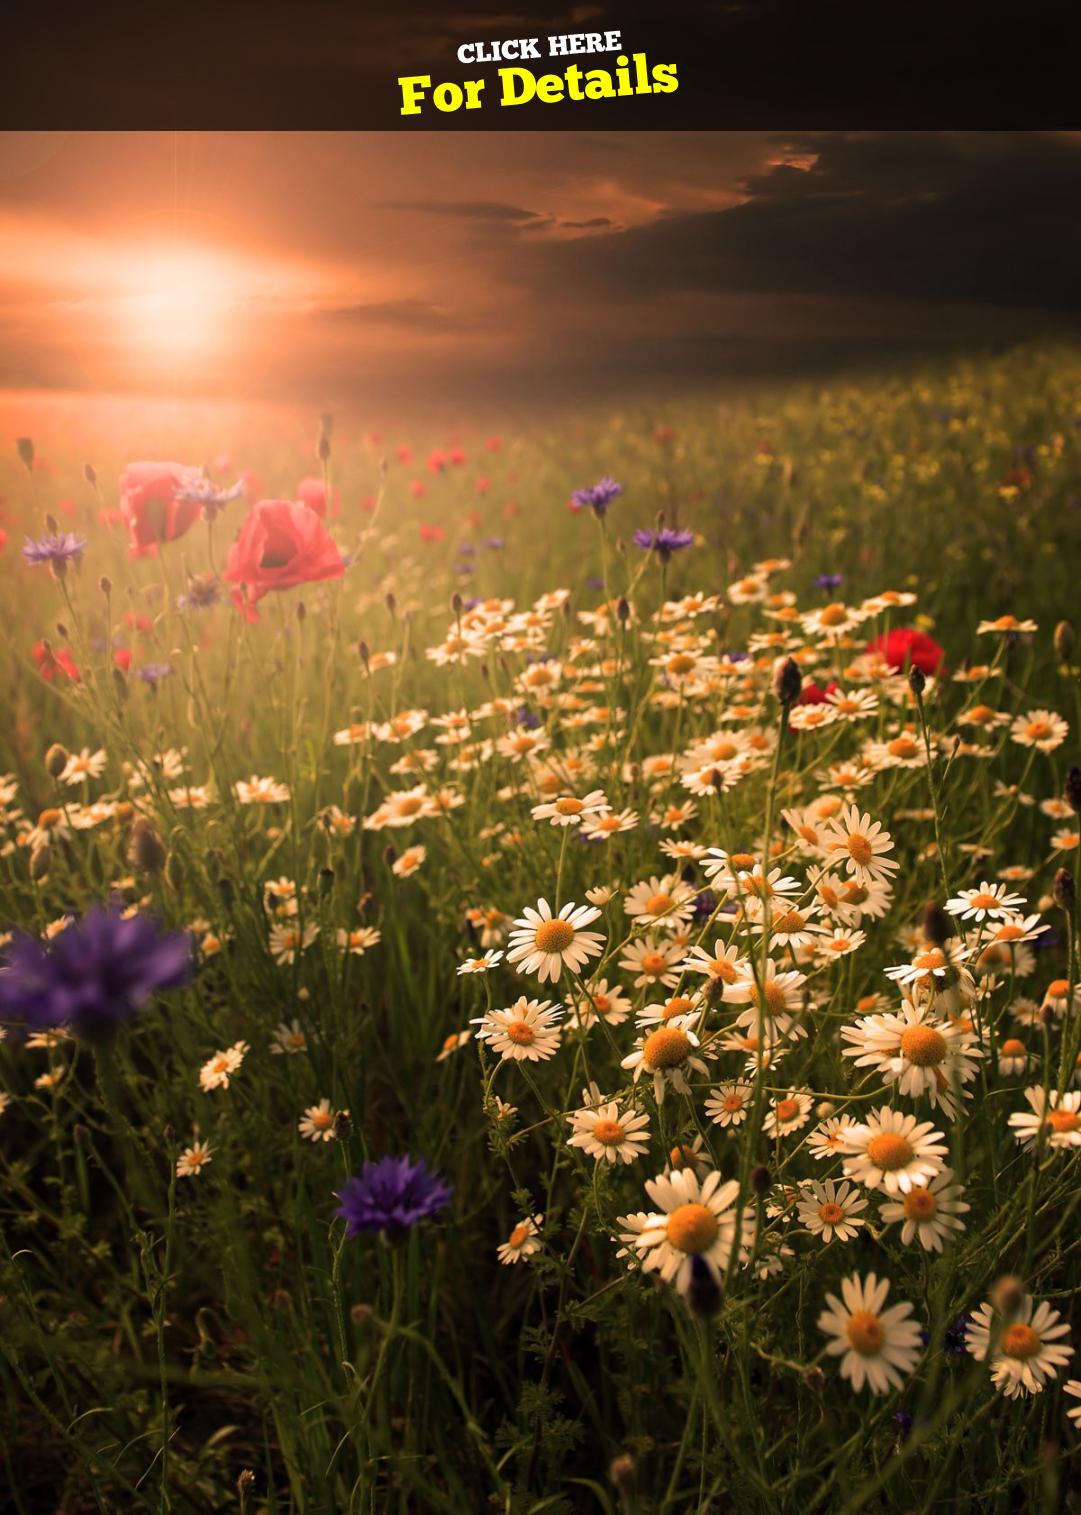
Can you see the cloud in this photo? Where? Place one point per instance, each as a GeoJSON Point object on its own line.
{"type": "Point", "coordinates": [416, 314]}
{"type": "Point", "coordinates": [467, 210]}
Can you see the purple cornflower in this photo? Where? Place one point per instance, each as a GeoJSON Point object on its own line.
{"type": "Point", "coordinates": [92, 975]}
{"type": "Point", "coordinates": [494, 544]}
{"type": "Point", "coordinates": [664, 542]}
{"type": "Point", "coordinates": [392, 1195]}
{"type": "Point", "coordinates": [830, 580]}
{"type": "Point", "coordinates": [205, 492]}
{"type": "Point", "coordinates": [153, 673]}
{"type": "Point", "coordinates": [526, 717]}
{"type": "Point", "coordinates": [598, 496]}
{"type": "Point", "coordinates": [202, 593]}
{"type": "Point", "coordinates": [58, 549]}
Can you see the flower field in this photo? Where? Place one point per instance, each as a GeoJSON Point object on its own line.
{"type": "Point", "coordinates": [539, 960]}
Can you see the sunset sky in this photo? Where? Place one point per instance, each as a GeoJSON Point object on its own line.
{"type": "Point", "coordinates": [393, 265]}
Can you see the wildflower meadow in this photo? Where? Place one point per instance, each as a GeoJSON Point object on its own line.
{"type": "Point", "coordinates": [539, 957]}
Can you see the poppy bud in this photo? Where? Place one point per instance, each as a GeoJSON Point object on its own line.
{"type": "Point", "coordinates": [623, 609]}
{"type": "Point", "coordinates": [1064, 641]}
{"type": "Point", "coordinates": [145, 849]}
{"type": "Point", "coordinates": [105, 584]}
{"type": "Point", "coordinates": [391, 601]}
{"type": "Point", "coordinates": [364, 653]}
{"type": "Point", "coordinates": [1064, 891]}
{"type": "Point", "coordinates": [90, 474]}
{"type": "Point", "coordinates": [702, 1292]}
{"type": "Point", "coordinates": [761, 1179]}
{"type": "Point", "coordinates": [326, 880]}
{"type": "Point", "coordinates": [1072, 789]}
{"type": "Point", "coordinates": [917, 680]}
{"type": "Point", "coordinates": [56, 760]}
{"type": "Point", "coordinates": [40, 859]}
{"type": "Point", "coordinates": [456, 603]}
{"type": "Point", "coordinates": [342, 1126]}
{"type": "Point", "coordinates": [323, 449]}
{"type": "Point", "coordinates": [937, 926]}
{"type": "Point", "coordinates": [24, 446]}
{"type": "Point", "coordinates": [787, 683]}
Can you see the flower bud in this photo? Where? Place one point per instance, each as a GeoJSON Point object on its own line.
{"type": "Point", "coordinates": [917, 680]}
{"type": "Point", "coordinates": [814, 1379]}
{"type": "Point", "coordinates": [145, 848]}
{"type": "Point", "coordinates": [1007, 1295]}
{"type": "Point", "coordinates": [342, 1126]}
{"type": "Point", "coordinates": [24, 446]}
{"type": "Point", "coordinates": [326, 880]}
{"type": "Point", "coordinates": [624, 1474]}
{"type": "Point", "coordinates": [90, 474]}
{"type": "Point", "coordinates": [1064, 891]}
{"type": "Point", "coordinates": [391, 601]}
{"type": "Point", "coordinates": [787, 683]}
{"type": "Point", "coordinates": [105, 584]}
{"type": "Point", "coordinates": [761, 1179]}
{"type": "Point", "coordinates": [1072, 789]}
{"type": "Point", "coordinates": [56, 760]}
{"type": "Point", "coordinates": [361, 1315]}
{"type": "Point", "coordinates": [937, 926]}
{"type": "Point", "coordinates": [364, 653]}
{"type": "Point", "coordinates": [1064, 641]}
{"type": "Point", "coordinates": [623, 609]}
{"type": "Point", "coordinates": [456, 603]}
{"type": "Point", "coordinates": [702, 1292]}
{"type": "Point", "coordinates": [40, 859]}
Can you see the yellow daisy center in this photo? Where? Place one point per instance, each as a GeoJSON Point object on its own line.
{"type": "Point", "coordinates": [889, 1151]}
{"type": "Point", "coordinates": [1020, 1341]}
{"type": "Point", "coordinates": [608, 1132]}
{"type": "Point", "coordinates": [1058, 988]}
{"type": "Point", "coordinates": [554, 936]}
{"type": "Point", "coordinates": [834, 615]}
{"type": "Point", "coordinates": [732, 1103]}
{"type": "Point", "coordinates": [865, 1332]}
{"type": "Point", "coordinates": [1037, 731]}
{"type": "Point", "coordinates": [659, 904]}
{"type": "Point", "coordinates": [830, 1214]}
{"type": "Point", "coordinates": [860, 849]}
{"type": "Point", "coordinates": [741, 861]}
{"type": "Point", "coordinates": [679, 1004]}
{"type": "Point", "coordinates": [521, 1033]}
{"type": "Point", "coordinates": [1063, 1121]}
{"type": "Point", "coordinates": [787, 1109]}
{"type": "Point", "coordinates": [518, 1235]}
{"type": "Point", "coordinates": [920, 1204]}
{"type": "Point", "coordinates": [410, 806]}
{"type": "Point", "coordinates": [569, 807]}
{"type": "Point", "coordinates": [682, 662]}
{"type": "Point", "coordinates": [923, 1045]}
{"type": "Point", "coordinates": [666, 1048]}
{"type": "Point", "coordinates": [929, 961]}
{"type": "Point", "coordinates": [653, 963]}
{"type": "Point", "coordinates": [902, 747]}
{"type": "Point", "coordinates": [692, 1228]}
{"type": "Point", "coordinates": [1011, 1047]}
{"type": "Point", "coordinates": [775, 996]}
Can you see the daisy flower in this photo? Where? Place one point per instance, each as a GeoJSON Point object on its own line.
{"type": "Point", "coordinates": [317, 1122]}
{"type": "Point", "coordinates": [1006, 625]}
{"type": "Point", "coordinates": [453, 1043]}
{"type": "Point", "coordinates": [919, 1052]}
{"type": "Point", "coordinates": [219, 1069]}
{"type": "Point", "coordinates": [288, 1038]}
{"type": "Point", "coordinates": [1025, 1350]}
{"type": "Point", "coordinates": [788, 1113]}
{"type": "Point", "coordinates": [832, 621]}
{"type": "Point", "coordinates": [287, 940]}
{"type": "Point", "coordinates": [526, 1031]}
{"type": "Point", "coordinates": [694, 1218]}
{"type": "Point", "coordinates": [729, 1104]}
{"type": "Point", "coordinates": [892, 1151]}
{"type": "Point", "coordinates": [876, 1346]}
{"type": "Point", "coordinates": [1073, 1388]}
{"type": "Point", "coordinates": [1042, 729]}
{"type": "Point", "coordinates": [480, 964]}
{"type": "Point", "coordinates": [359, 940]}
{"type": "Point", "coordinates": [667, 1054]}
{"type": "Point", "coordinates": [830, 1209]}
{"type": "Point", "coordinates": [990, 902]}
{"type": "Point", "coordinates": [665, 902]}
{"type": "Point", "coordinates": [257, 791]}
{"type": "Point", "coordinates": [194, 1159]}
{"type": "Point", "coordinates": [780, 998]}
{"type": "Point", "coordinates": [83, 765]}
{"type": "Point", "coordinates": [601, 828]}
{"type": "Point", "coordinates": [543, 944]}
{"type": "Point", "coordinates": [1012, 1057]}
{"type": "Point", "coordinates": [1058, 1115]}
{"type": "Point", "coordinates": [653, 962]}
{"type": "Point", "coordinates": [859, 845]}
{"type": "Point", "coordinates": [723, 963]}
{"type": "Point", "coordinates": [408, 862]}
{"type": "Point", "coordinates": [522, 1242]}
{"type": "Point", "coordinates": [829, 1137]}
{"type": "Point", "coordinates": [569, 811]}
{"type": "Point", "coordinates": [602, 1001]}
{"type": "Point", "coordinates": [608, 1136]}
{"type": "Point", "coordinates": [929, 1211]}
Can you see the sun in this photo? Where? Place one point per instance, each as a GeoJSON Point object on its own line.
{"type": "Point", "coordinates": [181, 303]}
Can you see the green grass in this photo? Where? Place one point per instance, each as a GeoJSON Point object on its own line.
{"type": "Point", "coordinates": [162, 1334]}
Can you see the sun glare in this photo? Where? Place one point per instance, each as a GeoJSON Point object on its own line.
{"type": "Point", "coordinates": [181, 304]}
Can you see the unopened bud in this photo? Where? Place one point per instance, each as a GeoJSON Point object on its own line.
{"type": "Point", "coordinates": [40, 859]}
{"type": "Point", "coordinates": [105, 584]}
{"type": "Point", "coordinates": [814, 1379]}
{"type": "Point", "coordinates": [90, 474]}
{"type": "Point", "coordinates": [1064, 890]}
{"type": "Point", "coordinates": [623, 609]}
{"type": "Point", "coordinates": [624, 1474]}
{"type": "Point", "coordinates": [326, 880]}
{"type": "Point", "coordinates": [56, 760]}
{"type": "Point", "coordinates": [456, 603]}
{"type": "Point", "coordinates": [1007, 1295]}
{"type": "Point", "coordinates": [1072, 789]}
{"type": "Point", "coordinates": [1064, 641]}
{"type": "Point", "coordinates": [702, 1292]}
{"type": "Point", "coordinates": [787, 683]}
{"type": "Point", "coordinates": [302, 612]}
{"type": "Point", "coordinates": [168, 1133]}
{"type": "Point", "coordinates": [24, 446]}
{"type": "Point", "coordinates": [342, 1126]}
{"type": "Point", "coordinates": [364, 653]}
{"type": "Point", "coordinates": [391, 601]}
{"type": "Point", "coordinates": [937, 926]}
{"type": "Point", "coordinates": [761, 1179]}
{"type": "Point", "coordinates": [324, 448]}
{"type": "Point", "coordinates": [917, 680]}
{"type": "Point", "coordinates": [51, 523]}
{"type": "Point", "coordinates": [145, 849]}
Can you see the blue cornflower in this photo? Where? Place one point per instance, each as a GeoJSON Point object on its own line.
{"type": "Point", "coordinates": [830, 580]}
{"type": "Point", "coordinates": [58, 549]}
{"type": "Point", "coordinates": [202, 593]}
{"type": "Point", "coordinates": [598, 496]}
{"type": "Point", "coordinates": [705, 905]}
{"type": "Point", "coordinates": [593, 582]}
{"type": "Point", "coordinates": [495, 544]}
{"type": "Point", "coordinates": [392, 1195]}
{"type": "Point", "coordinates": [664, 542]}
{"type": "Point", "coordinates": [205, 492]}
{"type": "Point", "coordinates": [153, 673]}
{"type": "Point", "coordinates": [527, 718]}
{"type": "Point", "coordinates": [92, 975]}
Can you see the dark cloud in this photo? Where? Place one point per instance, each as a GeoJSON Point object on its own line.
{"type": "Point", "coordinates": [466, 210]}
{"type": "Point", "coordinates": [415, 314]}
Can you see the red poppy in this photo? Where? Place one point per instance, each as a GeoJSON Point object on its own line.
{"type": "Point", "coordinates": [437, 461]}
{"type": "Point", "coordinates": [52, 661]}
{"type": "Point", "coordinates": [122, 658]}
{"type": "Point", "coordinates": [280, 545]}
{"type": "Point", "coordinates": [418, 490]}
{"type": "Point", "coordinates": [457, 457]}
{"type": "Point", "coordinates": [484, 483]}
{"type": "Point", "coordinates": [312, 493]}
{"type": "Point", "coordinates": [403, 453]}
{"type": "Point", "coordinates": [149, 504]}
{"type": "Point", "coordinates": [3, 539]}
{"type": "Point", "coordinates": [905, 648]}
{"type": "Point", "coordinates": [493, 444]}
{"type": "Point", "coordinates": [368, 502]}
{"type": "Point", "coordinates": [432, 533]}
{"type": "Point", "coordinates": [138, 620]}
{"type": "Point", "coordinates": [811, 694]}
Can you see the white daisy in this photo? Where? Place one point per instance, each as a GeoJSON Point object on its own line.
{"type": "Point", "coordinates": [608, 1136]}
{"type": "Point", "coordinates": [831, 1209]}
{"type": "Point", "coordinates": [695, 1218]}
{"type": "Point", "coordinates": [667, 1055]}
{"type": "Point", "coordinates": [729, 1104]}
{"type": "Point", "coordinates": [929, 1211]}
{"type": "Point", "coordinates": [892, 1151]}
{"type": "Point", "coordinates": [876, 1346]}
{"type": "Point", "coordinates": [1025, 1350]}
{"type": "Point", "coordinates": [526, 1031]}
{"type": "Point", "coordinates": [1058, 1116]}
{"type": "Point", "coordinates": [522, 1242]}
{"type": "Point", "coordinates": [543, 944]}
